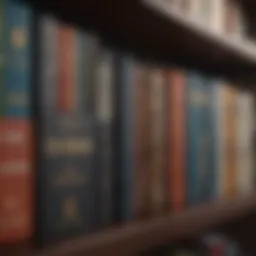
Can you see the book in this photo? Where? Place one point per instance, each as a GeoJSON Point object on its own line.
{"type": "Point", "coordinates": [230, 138]}
{"type": "Point", "coordinates": [66, 149]}
{"type": "Point", "coordinates": [142, 154]}
{"type": "Point", "coordinates": [16, 180]}
{"type": "Point", "coordinates": [218, 133]}
{"type": "Point", "coordinates": [209, 145]}
{"type": "Point", "coordinates": [216, 17]}
{"type": "Point", "coordinates": [17, 46]}
{"type": "Point", "coordinates": [105, 117]}
{"type": "Point", "coordinates": [123, 139]}
{"type": "Point", "coordinates": [199, 151]}
{"type": "Point", "coordinates": [177, 139]}
{"type": "Point", "coordinates": [16, 160]}
{"type": "Point", "coordinates": [158, 144]}
{"type": "Point", "coordinates": [244, 175]}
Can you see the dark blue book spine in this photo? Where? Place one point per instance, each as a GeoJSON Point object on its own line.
{"type": "Point", "coordinates": [123, 137]}
{"type": "Point", "coordinates": [127, 117]}
{"type": "Point", "coordinates": [66, 149]}
{"type": "Point", "coordinates": [17, 57]}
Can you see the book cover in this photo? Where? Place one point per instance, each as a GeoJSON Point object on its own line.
{"type": "Point", "coordinates": [16, 180]}
{"type": "Point", "coordinates": [17, 56]}
{"type": "Point", "coordinates": [158, 144]}
{"type": "Point", "coordinates": [177, 139]}
{"type": "Point", "coordinates": [198, 140]}
{"type": "Point", "coordinates": [104, 107]}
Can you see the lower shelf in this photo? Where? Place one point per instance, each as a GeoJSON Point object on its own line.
{"type": "Point", "coordinates": [137, 236]}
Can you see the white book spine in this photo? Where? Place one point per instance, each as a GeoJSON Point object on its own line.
{"type": "Point", "coordinates": [217, 15]}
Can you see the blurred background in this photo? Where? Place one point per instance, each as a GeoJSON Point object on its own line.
{"type": "Point", "coordinates": [127, 127]}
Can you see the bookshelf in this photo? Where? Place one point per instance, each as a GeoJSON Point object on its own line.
{"type": "Point", "coordinates": [153, 26]}
{"type": "Point", "coordinates": [134, 237]}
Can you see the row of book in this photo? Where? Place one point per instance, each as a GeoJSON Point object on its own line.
{"type": "Point", "coordinates": [225, 17]}
{"type": "Point", "coordinates": [91, 135]}
{"type": "Point", "coordinates": [207, 245]}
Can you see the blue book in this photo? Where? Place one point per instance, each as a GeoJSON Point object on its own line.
{"type": "Point", "coordinates": [17, 46]}
{"type": "Point", "coordinates": [66, 147]}
{"type": "Point", "coordinates": [123, 139]}
{"type": "Point", "coordinates": [199, 144]}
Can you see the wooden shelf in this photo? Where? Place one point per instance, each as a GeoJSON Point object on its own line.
{"type": "Point", "coordinates": [151, 26]}
{"type": "Point", "coordinates": [135, 237]}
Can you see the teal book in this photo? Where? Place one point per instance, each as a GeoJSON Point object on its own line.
{"type": "Point", "coordinates": [199, 145]}
{"type": "Point", "coordinates": [17, 57]}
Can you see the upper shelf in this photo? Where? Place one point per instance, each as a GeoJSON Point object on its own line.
{"type": "Point", "coordinates": [152, 26]}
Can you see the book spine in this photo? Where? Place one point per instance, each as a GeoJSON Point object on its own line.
{"type": "Point", "coordinates": [104, 113]}
{"type": "Point", "coordinates": [142, 142]}
{"type": "Point", "coordinates": [244, 143]}
{"type": "Point", "coordinates": [16, 157]}
{"type": "Point", "coordinates": [198, 152]}
{"type": "Point", "coordinates": [219, 114]}
{"type": "Point", "coordinates": [127, 162]}
{"type": "Point", "coordinates": [177, 139]}
{"type": "Point", "coordinates": [207, 158]}
{"type": "Point", "coordinates": [217, 15]}
{"type": "Point", "coordinates": [157, 87]}
{"type": "Point", "coordinates": [17, 59]}
{"type": "Point", "coordinates": [67, 142]}
{"type": "Point", "coordinates": [230, 137]}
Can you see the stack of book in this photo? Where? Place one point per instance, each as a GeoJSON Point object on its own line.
{"type": "Point", "coordinates": [225, 17]}
{"type": "Point", "coordinates": [91, 135]}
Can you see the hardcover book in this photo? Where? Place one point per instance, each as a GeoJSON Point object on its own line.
{"type": "Point", "coordinates": [17, 47]}
{"type": "Point", "coordinates": [198, 139]}
{"type": "Point", "coordinates": [66, 150]}
{"type": "Point", "coordinates": [158, 143]}
{"type": "Point", "coordinates": [104, 106]}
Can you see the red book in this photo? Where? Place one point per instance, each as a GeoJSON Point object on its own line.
{"type": "Point", "coordinates": [177, 139]}
{"type": "Point", "coordinates": [16, 163]}
{"type": "Point", "coordinates": [67, 66]}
